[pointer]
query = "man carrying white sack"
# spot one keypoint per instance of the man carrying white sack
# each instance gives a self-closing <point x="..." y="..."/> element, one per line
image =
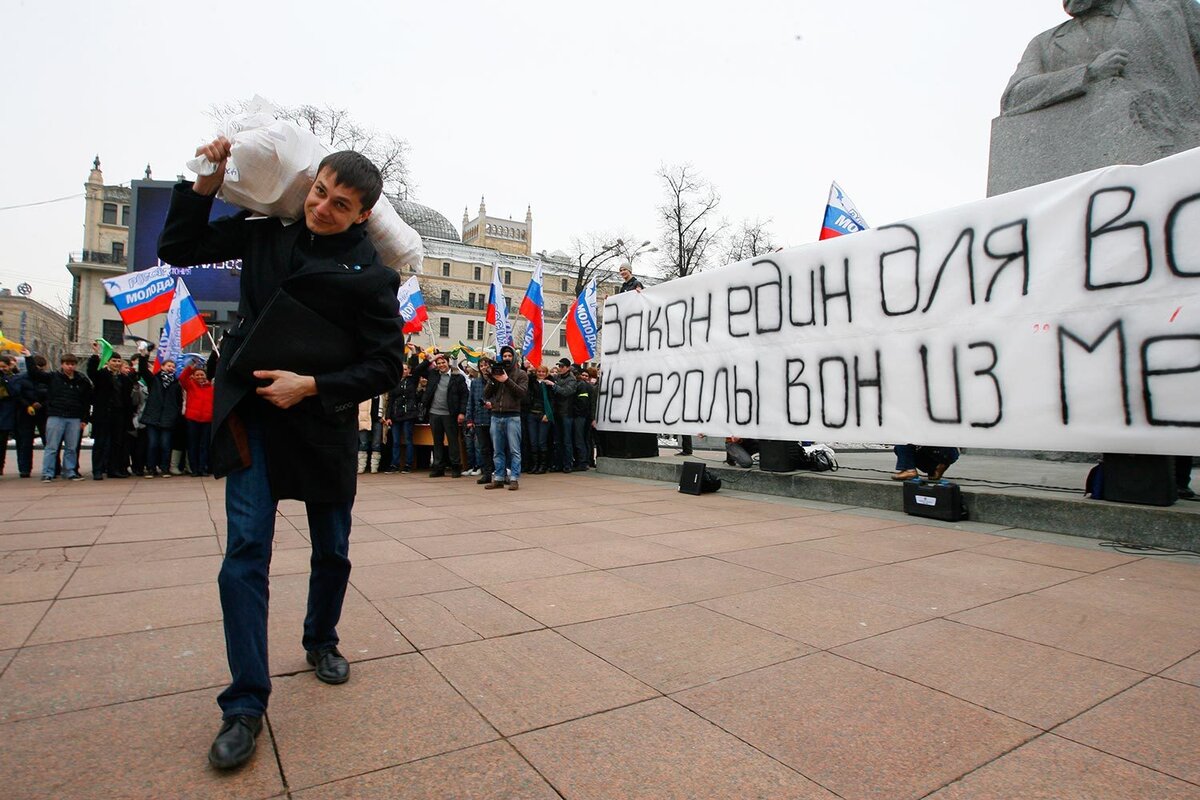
<point x="294" y="435"/>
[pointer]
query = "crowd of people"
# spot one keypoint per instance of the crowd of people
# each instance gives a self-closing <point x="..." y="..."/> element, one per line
<point x="145" y="422"/>
<point x="493" y="419"/>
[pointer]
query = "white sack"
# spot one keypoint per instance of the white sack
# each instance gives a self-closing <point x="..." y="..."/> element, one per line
<point x="272" y="167"/>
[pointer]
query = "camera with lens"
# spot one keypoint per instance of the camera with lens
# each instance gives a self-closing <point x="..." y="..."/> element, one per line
<point x="498" y="368"/>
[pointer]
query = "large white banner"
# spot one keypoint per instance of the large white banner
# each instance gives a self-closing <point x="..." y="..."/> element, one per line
<point x="1065" y="316"/>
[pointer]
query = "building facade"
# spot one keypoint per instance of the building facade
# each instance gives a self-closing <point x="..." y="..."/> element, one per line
<point x="42" y="330"/>
<point x="457" y="275"/>
<point x="106" y="218"/>
<point x="496" y="233"/>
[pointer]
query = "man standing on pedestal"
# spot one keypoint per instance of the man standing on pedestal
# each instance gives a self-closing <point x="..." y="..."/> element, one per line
<point x="289" y="434"/>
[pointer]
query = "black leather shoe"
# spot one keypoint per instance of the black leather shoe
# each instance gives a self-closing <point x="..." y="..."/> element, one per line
<point x="331" y="666"/>
<point x="235" y="742"/>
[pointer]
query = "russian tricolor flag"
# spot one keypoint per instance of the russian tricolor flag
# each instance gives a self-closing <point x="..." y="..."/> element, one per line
<point x="412" y="306"/>
<point x="841" y="217"/>
<point x="191" y="324"/>
<point x="497" y="311"/>
<point x="142" y="294"/>
<point x="582" y="330"/>
<point x="533" y="309"/>
<point x="182" y="325"/>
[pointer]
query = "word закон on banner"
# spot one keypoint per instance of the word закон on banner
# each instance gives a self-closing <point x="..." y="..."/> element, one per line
<point x="1065" y="316"/>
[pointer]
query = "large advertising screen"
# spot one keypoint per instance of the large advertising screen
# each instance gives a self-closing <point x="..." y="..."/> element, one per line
<point x="209" y="284"/>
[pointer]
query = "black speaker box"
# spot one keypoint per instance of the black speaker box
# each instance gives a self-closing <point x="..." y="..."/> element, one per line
<point x="623" y="444"/>
<point x="696" y="479"/>
<point x="1132" y="478"/>
<point x="779" y="456"/>
<point x="934" y="499"/>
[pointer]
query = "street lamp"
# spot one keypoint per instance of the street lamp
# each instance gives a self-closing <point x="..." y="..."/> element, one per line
<point x="642" y="249"/>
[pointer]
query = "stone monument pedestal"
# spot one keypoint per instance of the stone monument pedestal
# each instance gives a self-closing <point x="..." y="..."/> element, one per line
<point x="1099" y="129"/>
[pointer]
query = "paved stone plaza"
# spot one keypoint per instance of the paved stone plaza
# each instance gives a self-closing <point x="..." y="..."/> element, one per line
<point x="594" y="637"/>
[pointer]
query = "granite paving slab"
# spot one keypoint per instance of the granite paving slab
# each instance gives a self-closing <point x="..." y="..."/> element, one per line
<point x="536" y="679"/>
<point x="658" y="750"/>
<point x="854" y="730"/>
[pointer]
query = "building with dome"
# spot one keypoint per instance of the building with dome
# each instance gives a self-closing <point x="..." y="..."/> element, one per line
<point x="457" y="274"/>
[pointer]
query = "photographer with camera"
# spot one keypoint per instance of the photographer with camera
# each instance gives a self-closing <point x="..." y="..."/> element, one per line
<point x="507" y="385"/>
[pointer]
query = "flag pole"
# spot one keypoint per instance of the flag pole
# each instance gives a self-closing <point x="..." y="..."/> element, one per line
<point x="550" y="335"/>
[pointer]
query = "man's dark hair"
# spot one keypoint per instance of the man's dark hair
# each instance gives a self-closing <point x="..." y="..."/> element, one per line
<point x="68" y="358"/>
<point x="355" y="171"/>
<point x="39" y="362"/>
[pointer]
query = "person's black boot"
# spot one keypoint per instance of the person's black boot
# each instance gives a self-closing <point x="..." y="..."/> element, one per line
<point x="235" y="742"/>
<point x="331" y="666"/>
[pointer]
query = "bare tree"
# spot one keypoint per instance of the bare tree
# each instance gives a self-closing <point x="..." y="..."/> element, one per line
<point x="592" y="254"/>
<point x="340" y="131"/>
<point x="753" y="239"/>
<point x="688" y="219"/>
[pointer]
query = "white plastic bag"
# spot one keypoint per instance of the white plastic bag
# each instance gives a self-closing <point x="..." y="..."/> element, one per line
<point x="271" y="168"/>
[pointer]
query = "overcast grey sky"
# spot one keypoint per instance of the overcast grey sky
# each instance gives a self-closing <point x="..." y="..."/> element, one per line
<point x="565" y="107"/>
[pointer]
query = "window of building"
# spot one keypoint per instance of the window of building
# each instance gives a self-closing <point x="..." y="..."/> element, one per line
<point x="118" y="252"/>
<point x="470" y="329"/>
<point x="562" y="337"/>
<point x="479" y="273"/>
<point x="471" y="300"/>
<point x="113" y="331"/>
<point x="445" y="297"/>
<point x="507" y="276"/>
<point x="110" y="214"/>
<point x="565" y="285"/>
<point x="562" y="310"/>
<point x="125" y="216"/>
<point x="445" y="269"/>
<point x="444" y="326"/>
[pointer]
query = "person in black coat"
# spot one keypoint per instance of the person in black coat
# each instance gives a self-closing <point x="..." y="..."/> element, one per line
<point x="112" y="406"/>
<point x="16" y="394"/>
<point x="401" y="417"/>
<point x="285" y="434"/>
<point x="445" y="403"/>
<point x="160" y="414"/>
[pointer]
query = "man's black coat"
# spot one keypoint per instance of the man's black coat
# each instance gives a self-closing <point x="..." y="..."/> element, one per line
<point x="312" y="447"/>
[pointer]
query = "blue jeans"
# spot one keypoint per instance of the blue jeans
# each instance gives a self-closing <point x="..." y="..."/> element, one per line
<point x="198" y="434"/>
<point x="243" y="579"/>
<point x="926" y="459"/>
<point x="158" y="448"/>
<point x="539" y="432"/>
<point x="65" y="431"/>
<point x="564" y="433"/>
<point x="402" y="429"/>
<point x="506" y="442"/>
<point x="582" y="457"/>
<point x="473" y="461"/>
